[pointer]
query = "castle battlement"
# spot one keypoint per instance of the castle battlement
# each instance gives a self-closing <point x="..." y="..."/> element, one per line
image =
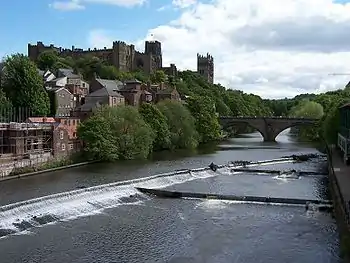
<point x="205" y="66"/>
<point x="206" y="57"/>
<point x="121" y="55"/>
<point x="125" y="58"/>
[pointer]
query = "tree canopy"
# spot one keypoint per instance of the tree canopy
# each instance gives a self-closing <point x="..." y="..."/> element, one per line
<point x="115" y="133"/>
<point x="203" y="110"/>
<point x="183" y="133"/>
<point x="158" y="122"/>
<point x="24" y="86"/>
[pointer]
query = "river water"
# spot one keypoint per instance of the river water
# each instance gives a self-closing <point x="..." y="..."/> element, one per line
<point x="48" y="218"/>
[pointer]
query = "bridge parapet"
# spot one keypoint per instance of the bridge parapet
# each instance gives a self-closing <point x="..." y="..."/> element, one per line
<point x="269" y="127"/>
<point x="267" y="117"/>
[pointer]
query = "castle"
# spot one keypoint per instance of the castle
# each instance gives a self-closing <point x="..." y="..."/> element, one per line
<point x="205" y="67"/>
<point x="125" y="58"/>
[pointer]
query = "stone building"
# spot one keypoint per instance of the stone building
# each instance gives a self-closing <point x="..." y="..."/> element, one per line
<point x="65" y="102"/>
<point x="205" y="67"/>
<point x="103" y="92"/>
<point x="123" y="56"/>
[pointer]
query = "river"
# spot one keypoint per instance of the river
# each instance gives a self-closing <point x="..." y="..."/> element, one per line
<point x="47" y="218"/>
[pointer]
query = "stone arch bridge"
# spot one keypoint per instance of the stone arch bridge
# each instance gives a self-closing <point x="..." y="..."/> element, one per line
<point x="269" y="127"/>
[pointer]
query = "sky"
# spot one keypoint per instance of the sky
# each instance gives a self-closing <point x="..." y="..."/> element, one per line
<point x="272" y="48"/>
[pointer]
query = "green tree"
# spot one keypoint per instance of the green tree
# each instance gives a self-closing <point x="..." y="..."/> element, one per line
<point x="158" y="77"/>
<point x="181" y="124"/>
<point x="204" y="112"/>
<point x="5" y="107"/>
<point x="48" y="60"/>
<point x="24" y="86"/>
<point x="308" y="109"/>
<point x="116" y="133"/>
<point x="153" y="116"/>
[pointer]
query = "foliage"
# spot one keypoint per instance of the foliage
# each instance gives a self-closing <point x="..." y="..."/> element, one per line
<point x="50" y="60"/>
<point x="155" y="118"/>
<point x="204" y="113"/>
<point x="308" y="109"/>
<point x="24" y="86"/>
<point x="5" y="106"/>
<point x="158" y="77"/>
<point x="183" y="134"/>
<point x="115" y="133"/>
<point x="53" y="102"/>
<point x="331" y="124"/>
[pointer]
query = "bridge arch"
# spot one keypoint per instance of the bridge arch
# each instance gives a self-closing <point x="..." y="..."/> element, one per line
<point x="268" y="127"/>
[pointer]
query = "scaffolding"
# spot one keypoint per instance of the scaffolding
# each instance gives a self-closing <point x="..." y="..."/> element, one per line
<point x="24" y="144"/>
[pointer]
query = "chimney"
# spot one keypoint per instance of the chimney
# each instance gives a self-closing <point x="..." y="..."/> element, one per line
<point x="161" y="85"/>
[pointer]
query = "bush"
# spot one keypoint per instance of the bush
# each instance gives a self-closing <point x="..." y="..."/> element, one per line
<point x="116" y="133"/>
<point x="183" y="134"/>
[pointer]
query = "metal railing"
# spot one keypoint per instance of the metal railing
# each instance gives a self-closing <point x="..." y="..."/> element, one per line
<point x="345" y="205"/>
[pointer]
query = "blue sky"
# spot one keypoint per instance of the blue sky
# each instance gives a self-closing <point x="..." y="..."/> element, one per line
<point x="272" y="48"/>
<point x="23" y="23"/>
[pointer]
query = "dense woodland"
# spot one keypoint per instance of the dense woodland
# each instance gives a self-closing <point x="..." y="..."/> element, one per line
<point x="129" y="132"/>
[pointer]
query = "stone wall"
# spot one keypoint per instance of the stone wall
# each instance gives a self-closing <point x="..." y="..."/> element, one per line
<point x="34" y="160"/>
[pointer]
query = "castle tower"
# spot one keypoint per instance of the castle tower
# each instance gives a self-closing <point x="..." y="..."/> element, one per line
<point x="154" y="48"/>
<point x="205" y="67"/>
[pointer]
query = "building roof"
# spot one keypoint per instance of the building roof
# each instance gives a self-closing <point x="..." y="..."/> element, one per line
<point x="346" y="105"/>
<point x="105" y="92"/>
<point x="41" y="72"/>
<point x="90" y="105"/>
<point x="165" y="91"/>
<point x="133" y="81"/>
<point x="68" y="73"/>
<point x="110" y="85"/>
<point x="41" y="119"/>
<point x="56" y="80"/>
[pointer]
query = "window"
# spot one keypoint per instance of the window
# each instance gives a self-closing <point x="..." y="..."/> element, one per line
<point x="73" y="122"/>
<point x="74" y="134"/>
<point x="63" y="147"/>
<point x="71" y="146"/>
<point x="114" y="100"/>
<point x="61" y="135"/>
<point x="65" y="122"/>
<point x="83" y="85"/>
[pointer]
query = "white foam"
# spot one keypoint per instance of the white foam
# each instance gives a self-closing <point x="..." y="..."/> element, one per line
<point x="93" y="200"/>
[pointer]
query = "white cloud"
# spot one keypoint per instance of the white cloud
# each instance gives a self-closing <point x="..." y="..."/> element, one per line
<point x="272" y="48"/>
<point x="183" y="3"/>
<point x="80" y="4"/>
<point x="67" y="6"/>
<point x="100" y="38"/>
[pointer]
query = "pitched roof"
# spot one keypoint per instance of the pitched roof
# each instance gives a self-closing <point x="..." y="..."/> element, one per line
<point x="104" y="92"/>
<point x="165" y="91"/>
<point x="90" y="105"/>
<point x="110" y="88"/>
<point x="41" y="72"/>
<point x="41" y="120"/>
<point x="133" y="81"/>
<point x="345" y="105"/>
<point x="68" y="73"/>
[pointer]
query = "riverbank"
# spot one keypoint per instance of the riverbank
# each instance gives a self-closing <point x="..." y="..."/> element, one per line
<point x="17" y="176"/>
<point x="339" y="174"/>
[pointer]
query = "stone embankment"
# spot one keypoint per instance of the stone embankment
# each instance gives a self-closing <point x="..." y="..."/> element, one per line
<point x="8" y="166"/>
<point x="339" y="175"/>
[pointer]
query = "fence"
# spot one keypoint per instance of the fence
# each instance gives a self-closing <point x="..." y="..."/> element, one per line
<point x="344" y="204"/>
<point x="14" y="114"/>
<point x="22" y="144"/>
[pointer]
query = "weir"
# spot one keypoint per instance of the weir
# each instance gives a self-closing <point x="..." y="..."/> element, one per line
<point x="23" y="215"/>
<point x="278" y="172"/>
<point x="247" y="198"/>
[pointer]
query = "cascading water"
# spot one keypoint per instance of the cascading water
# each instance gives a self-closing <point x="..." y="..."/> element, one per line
<point x="20" y="216"/>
